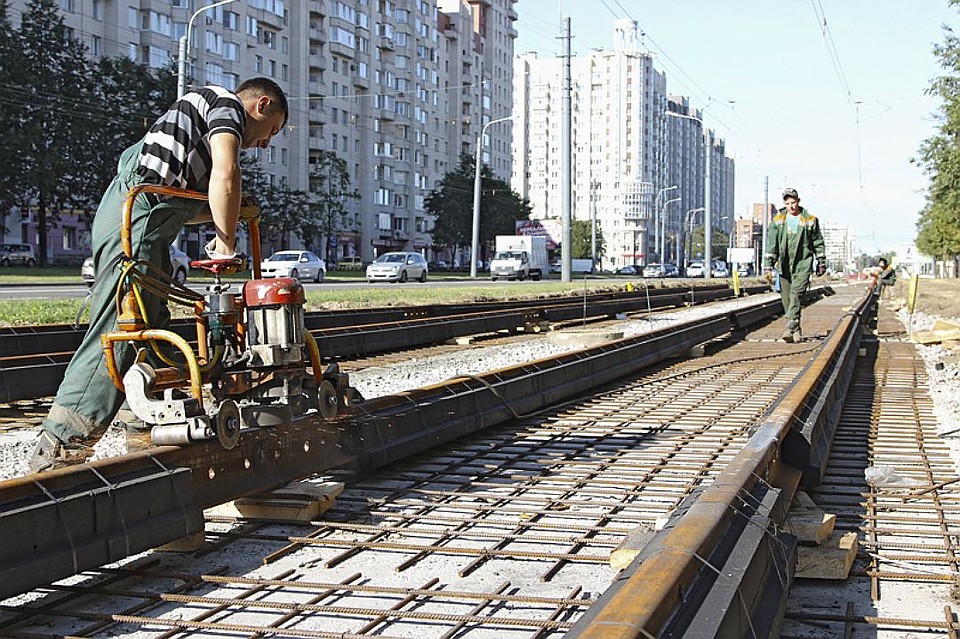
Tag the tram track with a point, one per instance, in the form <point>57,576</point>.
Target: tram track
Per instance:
<point>379,457</point>
<point>33,358</point>
<point>507,532</point>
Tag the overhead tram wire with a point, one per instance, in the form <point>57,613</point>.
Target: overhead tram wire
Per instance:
<point>844,84</point>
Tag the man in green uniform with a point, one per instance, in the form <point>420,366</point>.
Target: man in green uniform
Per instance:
<point>794,240</point>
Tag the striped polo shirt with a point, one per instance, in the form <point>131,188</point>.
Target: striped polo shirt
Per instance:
<point>176,150</point>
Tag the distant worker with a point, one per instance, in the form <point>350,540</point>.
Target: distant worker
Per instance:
<point>794,241</point>
<point>886,278</point>
<point>195,145</point>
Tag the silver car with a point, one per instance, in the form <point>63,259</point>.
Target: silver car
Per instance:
<point>398,267</point>
<point>179,261</point>
<point>300,265</point>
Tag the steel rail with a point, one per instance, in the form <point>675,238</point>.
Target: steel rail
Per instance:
<point>33,359</point>
<point>75,518</point>
<point>722,567</point>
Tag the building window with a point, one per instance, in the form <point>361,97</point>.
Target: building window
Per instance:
<point>258,63</point>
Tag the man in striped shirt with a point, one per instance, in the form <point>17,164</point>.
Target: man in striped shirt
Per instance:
<point>195,145</point>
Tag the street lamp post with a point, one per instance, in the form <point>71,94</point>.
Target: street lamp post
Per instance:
<point>185,45</point>
<point>475,234</point>
<point>663,227</point>
<point>707,221</point>
<point>657,214</point>
<point>686,226</point>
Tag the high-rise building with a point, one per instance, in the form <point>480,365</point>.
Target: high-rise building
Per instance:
<point>638,171</point>
<point>397,88</point>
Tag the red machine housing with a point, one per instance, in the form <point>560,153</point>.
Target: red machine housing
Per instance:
<point>274,309</point>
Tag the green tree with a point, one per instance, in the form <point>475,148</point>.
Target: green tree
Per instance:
<point>282,210</point>
<point>14,99</point>
<point>128,98</point>
<point>55,126</point>
<point>581,238</point>
<point>719,241</point>
<point>329,190</point>
<point>939,156</point>
<point>452,204</point>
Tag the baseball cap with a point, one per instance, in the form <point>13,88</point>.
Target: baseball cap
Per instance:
<point>790,193</point>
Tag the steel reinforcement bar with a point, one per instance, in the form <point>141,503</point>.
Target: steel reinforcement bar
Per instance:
<point>723,565</point>
<point>59,523</point>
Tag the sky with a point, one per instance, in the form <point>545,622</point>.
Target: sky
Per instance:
<point>826,96</point>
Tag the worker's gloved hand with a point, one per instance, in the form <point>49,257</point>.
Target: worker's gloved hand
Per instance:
<point>821,269</point>
<point>210,249</point>
<point>768,273</point>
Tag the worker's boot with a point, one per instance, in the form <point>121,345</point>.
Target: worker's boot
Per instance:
<point>44,453</point>
<point>49,452</point>
<point>788,333</point>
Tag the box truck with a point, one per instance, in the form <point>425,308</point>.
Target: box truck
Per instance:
<point>519,257</point>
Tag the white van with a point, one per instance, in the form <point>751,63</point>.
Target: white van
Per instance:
<point>17,255</point>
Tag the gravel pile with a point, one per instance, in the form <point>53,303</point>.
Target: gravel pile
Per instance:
<point>943,373</point>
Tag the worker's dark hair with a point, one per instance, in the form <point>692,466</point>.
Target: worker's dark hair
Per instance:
<point>266,86</point>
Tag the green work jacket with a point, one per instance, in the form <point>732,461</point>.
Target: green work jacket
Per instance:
<point>795,254</point>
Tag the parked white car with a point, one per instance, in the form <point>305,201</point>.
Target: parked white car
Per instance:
<point>695,269</point>
<point>179,261</point>
<point>300,265</point>
<point>398,267</point>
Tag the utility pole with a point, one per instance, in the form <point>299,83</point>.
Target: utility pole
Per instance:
<point>594,186</point>
<point>566,159</point>
<point>707,220</point>
<point>766,214</point>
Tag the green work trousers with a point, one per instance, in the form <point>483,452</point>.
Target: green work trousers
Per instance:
<point>87,400</point>
<point>792,286</point>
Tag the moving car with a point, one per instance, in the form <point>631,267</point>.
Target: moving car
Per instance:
<point>179,261</point>
<point>300,265</point>
<point>17,255</point>
<point>630,269</point>
<point>671,270</point>
<point>398,266</point>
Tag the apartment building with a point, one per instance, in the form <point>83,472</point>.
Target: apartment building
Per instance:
<point>635,169</point>
<point>397,88</point>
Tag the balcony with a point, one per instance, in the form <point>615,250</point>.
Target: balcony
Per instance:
<point>361,82</point>
<point>341,50</point>
<point>386,44</point>
<point>317,61</point>
<point>318,34</point>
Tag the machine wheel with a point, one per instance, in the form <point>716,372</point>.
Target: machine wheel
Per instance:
<point>227,424</point>
<point>327,396</point>
<point>521,276</point>
<point>403,277</point>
